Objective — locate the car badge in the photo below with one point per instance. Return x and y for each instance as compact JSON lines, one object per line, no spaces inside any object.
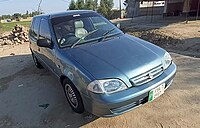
{"x":150,"y":76}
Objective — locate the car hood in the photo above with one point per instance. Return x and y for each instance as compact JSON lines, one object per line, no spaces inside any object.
{"x":124,"y":55}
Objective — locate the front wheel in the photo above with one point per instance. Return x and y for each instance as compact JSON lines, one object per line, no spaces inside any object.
{"x":73,"y":97}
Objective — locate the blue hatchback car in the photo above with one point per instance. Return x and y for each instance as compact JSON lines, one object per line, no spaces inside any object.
{"x":102,"y":70}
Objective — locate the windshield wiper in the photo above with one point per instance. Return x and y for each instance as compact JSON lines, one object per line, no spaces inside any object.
{"x":106,"y":33}
{"x":83,"y":37}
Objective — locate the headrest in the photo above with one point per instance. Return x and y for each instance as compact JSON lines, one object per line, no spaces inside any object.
{"x":79,"y":24}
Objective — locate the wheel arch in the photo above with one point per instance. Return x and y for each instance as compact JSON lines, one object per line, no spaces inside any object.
{"x":80,"y":100}
{"x":63,"y":77}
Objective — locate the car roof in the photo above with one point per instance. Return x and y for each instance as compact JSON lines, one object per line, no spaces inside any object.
{"x":68,"y":12}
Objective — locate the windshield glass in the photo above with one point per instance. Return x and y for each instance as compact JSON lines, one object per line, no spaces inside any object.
{"x":80,"y":29}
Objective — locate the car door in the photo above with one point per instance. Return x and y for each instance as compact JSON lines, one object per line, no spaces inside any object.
{"x":47,"y":55}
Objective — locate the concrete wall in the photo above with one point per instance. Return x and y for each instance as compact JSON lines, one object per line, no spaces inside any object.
{"x":148,"y":11}
{"x":181,"y":7}
{"x":171,"y":8}
{"x":133,"y":9}
{"x":174,"y":9}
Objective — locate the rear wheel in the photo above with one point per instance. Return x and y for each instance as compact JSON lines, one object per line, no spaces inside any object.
{"x":73,"y":97}
{"x":36,"y":62}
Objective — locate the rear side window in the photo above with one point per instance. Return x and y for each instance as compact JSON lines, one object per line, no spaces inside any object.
{"x":32,"y":26}
{"x":35,"y":28}
{"x":44,"y":29}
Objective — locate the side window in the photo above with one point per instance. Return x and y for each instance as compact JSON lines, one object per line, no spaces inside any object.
{"x":31,"y":28}
{"x":44,"y":29}
{"x":36,"y":24}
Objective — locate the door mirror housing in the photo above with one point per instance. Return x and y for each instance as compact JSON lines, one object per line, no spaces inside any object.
{"x":44,"y":43}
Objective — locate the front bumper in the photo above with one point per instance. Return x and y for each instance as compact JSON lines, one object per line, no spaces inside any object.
{"x":104,"y":105}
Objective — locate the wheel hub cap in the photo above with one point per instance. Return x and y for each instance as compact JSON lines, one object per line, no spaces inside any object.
{"x":71,"y":96}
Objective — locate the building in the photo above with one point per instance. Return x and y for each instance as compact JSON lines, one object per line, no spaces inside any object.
{"x":181,"y":7}
{"x":143,"y":7}
{"x":162,"y":7}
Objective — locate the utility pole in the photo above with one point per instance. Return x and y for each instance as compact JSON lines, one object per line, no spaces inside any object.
{"x":152,"y":11}
{"x":147,"y":11}
{"x":120,"y":9}
{"x":133,"y":11}
{"x":188,"y":9}
{"x":198,"y":10}
{"x":39,"y":7}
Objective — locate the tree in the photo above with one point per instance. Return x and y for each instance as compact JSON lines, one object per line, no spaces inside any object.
{"x":27,"y":13}
{"x":89,"y":5}
{"x":72,"y":5}
{"x":105,"y":8}
{"x":4,"y":17}
{"x":17,"y":16}
{"x":34,"y":13}
{"x":95,"y":4}
{"x":24,"y":16}
{"x":80,"y":4}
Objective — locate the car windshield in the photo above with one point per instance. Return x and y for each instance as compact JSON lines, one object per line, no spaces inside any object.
{"x":82,"y":28}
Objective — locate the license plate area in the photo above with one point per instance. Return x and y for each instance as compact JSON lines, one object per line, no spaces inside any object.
{"x":156,"y":92}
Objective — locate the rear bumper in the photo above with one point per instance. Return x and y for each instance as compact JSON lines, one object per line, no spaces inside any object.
{"x":124,"y":101}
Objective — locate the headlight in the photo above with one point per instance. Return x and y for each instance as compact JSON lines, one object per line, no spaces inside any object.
{"x":167,"y":60}
{"x":106,"y":86}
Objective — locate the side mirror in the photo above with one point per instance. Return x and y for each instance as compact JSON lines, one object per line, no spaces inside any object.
{"x":117,"y":25}
{"x":44,"y":43}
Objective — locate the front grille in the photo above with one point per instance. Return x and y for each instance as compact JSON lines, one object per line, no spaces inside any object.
{"x":147,"y":76}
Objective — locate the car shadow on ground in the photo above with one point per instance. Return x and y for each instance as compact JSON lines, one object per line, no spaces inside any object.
{"x":32,"y":97}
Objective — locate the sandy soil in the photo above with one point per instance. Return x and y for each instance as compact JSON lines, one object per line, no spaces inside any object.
{"x":26,"y":90}
{"x":174,"y":36}
{"x":23,"y":88}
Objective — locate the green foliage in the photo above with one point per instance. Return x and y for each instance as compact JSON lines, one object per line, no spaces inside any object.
{"x":89,"y":4}
{"x":24,"y":16}
{"x":6,"y":17}
{"x":83,"y":5}
{"x":80,"y":4}
{"x":6,"y":27}
{"x":17,"y":16}
{"x":72,"y":5}
{"x":105,"y":8}
{"x":95,"y":4}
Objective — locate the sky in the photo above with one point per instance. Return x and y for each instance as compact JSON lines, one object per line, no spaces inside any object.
{"x":48,"y":6}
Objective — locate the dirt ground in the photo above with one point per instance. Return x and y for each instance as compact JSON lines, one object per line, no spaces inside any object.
{"x":175,"y":36}
{"x":30,"y":97}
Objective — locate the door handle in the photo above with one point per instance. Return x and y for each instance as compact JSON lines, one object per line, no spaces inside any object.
{"x":39,"y":49}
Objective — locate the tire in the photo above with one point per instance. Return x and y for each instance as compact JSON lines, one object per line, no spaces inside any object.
{"x":36,"y":62}
{"x":73,"y":97}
